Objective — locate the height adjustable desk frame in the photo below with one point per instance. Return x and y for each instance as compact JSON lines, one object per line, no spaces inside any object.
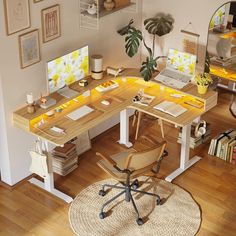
{"x":125,"y":91}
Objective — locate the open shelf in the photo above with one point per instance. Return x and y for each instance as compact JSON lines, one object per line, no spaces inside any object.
{"x":91,"y":21}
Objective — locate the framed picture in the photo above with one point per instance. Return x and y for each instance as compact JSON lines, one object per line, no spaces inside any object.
{"x":35,"y":1}
{"x":29,"y":48}
{"x":17,"y":15}
{"x":51,"y":23}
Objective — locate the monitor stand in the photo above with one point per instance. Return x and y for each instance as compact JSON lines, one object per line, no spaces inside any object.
{"x":67,"y":92}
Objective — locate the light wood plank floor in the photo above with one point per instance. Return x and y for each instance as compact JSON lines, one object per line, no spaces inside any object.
{"x":27,"y":210}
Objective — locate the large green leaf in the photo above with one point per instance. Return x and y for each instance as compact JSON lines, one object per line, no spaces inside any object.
{"x":159,"y":25}
{"x":148,"y":68}
{"x":132,"y":41}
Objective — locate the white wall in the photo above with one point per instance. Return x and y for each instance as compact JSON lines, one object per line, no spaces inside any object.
{"x":17,"y":82}
{"x":198,"y":12}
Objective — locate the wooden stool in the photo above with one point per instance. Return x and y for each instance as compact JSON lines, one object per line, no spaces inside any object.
{"x":139,"y":115}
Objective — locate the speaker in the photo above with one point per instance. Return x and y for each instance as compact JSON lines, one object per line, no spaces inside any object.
{"x":200,"y":129}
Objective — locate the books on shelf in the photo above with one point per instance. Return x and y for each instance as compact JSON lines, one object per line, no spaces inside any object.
{"x":223,"y":146}
{"x":196,"y":141}
{"x":65,"y":159}
{"x":170,"y":108}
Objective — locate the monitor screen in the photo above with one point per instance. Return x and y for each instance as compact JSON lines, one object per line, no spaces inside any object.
{"x":67,"y":69}
{"x":218,"y":18}
{"x":181,"y":61}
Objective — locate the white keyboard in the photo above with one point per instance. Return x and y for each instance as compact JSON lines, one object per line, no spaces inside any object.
{"x":173,"y":83}
{"x":176,"y":75}
{"x":80,"y":112}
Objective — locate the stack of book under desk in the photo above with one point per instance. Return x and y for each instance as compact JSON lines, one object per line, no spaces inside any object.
{"x":65,"y":159}
{"x":196,"y":141}
{"x":224,"y":146}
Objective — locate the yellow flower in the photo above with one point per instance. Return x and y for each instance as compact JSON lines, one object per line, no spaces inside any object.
{"x":58,"y":61}
{"x":203,"y":79}
{"x":180,"y":68}
{"x":191,"y":68}
{"x":84,"y":65}
{"x":55,"y":79}
{"x":75,"y":55}
{"x":70,"y":79}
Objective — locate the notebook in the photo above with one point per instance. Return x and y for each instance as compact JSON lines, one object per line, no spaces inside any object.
{"x":170,"y":108}
{"x":179,"y":70}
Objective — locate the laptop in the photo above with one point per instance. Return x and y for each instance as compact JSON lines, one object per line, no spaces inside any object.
{"x":180,"y":69}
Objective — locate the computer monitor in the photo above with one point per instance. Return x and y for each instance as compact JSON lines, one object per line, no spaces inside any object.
{"x":67,"y":69}
{"x":181,"y":61}
{"x":219,"y":18}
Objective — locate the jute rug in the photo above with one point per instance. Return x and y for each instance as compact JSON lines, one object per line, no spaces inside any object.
{"x":178,"y":215}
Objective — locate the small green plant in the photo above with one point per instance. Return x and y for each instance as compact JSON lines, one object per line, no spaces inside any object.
{"x":159,"y":25}
{"x":203,"y":79}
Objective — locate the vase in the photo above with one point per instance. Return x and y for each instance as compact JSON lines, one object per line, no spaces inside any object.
{"x":109,"y":5}
{"x":202,"y":89}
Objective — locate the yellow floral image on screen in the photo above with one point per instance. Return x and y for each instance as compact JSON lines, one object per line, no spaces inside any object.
{"x":181,"y":61}
{"x":218,"y":18}
{"x":67,"y":69}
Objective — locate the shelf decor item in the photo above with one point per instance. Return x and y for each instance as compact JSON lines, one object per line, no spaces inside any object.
{"x":51,"y":23}
{"x":109,"y":5}
{"x":17,"y":15}
{"x":29,"y":48}
{"x":203,"y":80}
{"x":159,"y":25}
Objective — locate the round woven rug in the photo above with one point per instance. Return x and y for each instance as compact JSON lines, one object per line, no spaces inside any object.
{"x":178,"y":215}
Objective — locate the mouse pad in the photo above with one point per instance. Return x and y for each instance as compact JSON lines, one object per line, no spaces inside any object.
{"x":113,"y":100}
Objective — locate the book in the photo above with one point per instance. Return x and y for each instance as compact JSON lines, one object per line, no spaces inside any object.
{"x":68,"y":147}
{"x":145,"y":100}
{"x":170,"y":108}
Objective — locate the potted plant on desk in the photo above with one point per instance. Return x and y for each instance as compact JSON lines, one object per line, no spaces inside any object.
{"x":203,"y":80}
{"x":159,"y":25}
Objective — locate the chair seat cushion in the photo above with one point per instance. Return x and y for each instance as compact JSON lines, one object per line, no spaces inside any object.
{"x":120,"y":159}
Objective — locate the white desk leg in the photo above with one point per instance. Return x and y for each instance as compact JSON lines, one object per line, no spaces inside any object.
{"x":185,"y":163}
{"x":124,"y":129}
{"x":48,"y":183}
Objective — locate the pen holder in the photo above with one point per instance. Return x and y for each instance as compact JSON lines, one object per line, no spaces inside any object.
{"x":31,"y":108}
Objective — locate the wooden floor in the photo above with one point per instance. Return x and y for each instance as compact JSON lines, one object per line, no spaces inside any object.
{"x":27,"y":210}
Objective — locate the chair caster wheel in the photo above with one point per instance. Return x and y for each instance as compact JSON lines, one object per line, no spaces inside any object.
{"x":139,"y":221}
{"x":102,"y":193}
{"x":135,"y":184}
{"x":158,"y":201}
{"x":102,"y":215}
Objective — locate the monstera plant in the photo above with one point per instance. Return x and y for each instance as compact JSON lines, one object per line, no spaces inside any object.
{"x":159,"y":25}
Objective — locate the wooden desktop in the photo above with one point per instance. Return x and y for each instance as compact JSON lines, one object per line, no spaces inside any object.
{"x":120,"y":99}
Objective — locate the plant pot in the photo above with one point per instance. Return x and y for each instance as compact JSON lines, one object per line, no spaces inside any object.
{"x":202,"y":89}
{"x":109,"y":5}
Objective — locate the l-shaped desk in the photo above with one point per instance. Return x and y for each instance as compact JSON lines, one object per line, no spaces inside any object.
{"x":121,"y":100}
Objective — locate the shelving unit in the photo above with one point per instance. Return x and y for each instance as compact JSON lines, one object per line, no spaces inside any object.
{"x":91,"y":21}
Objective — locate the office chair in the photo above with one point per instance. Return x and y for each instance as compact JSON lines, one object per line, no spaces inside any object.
{"x":129,"y":166}
{"x":138,"y":115}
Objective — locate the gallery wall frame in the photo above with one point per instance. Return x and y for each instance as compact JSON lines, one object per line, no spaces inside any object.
{"x":51,"y":26}
{"x":17,"y":15}
{"x":29,"y":48}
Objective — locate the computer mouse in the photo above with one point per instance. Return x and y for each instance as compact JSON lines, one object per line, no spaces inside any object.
{"x":105,"y":102}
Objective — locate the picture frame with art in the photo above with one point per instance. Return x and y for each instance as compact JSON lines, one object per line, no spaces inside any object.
{"x":51,"y":28}
{"x":29,"y":48}
{"x":17,"y":15}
